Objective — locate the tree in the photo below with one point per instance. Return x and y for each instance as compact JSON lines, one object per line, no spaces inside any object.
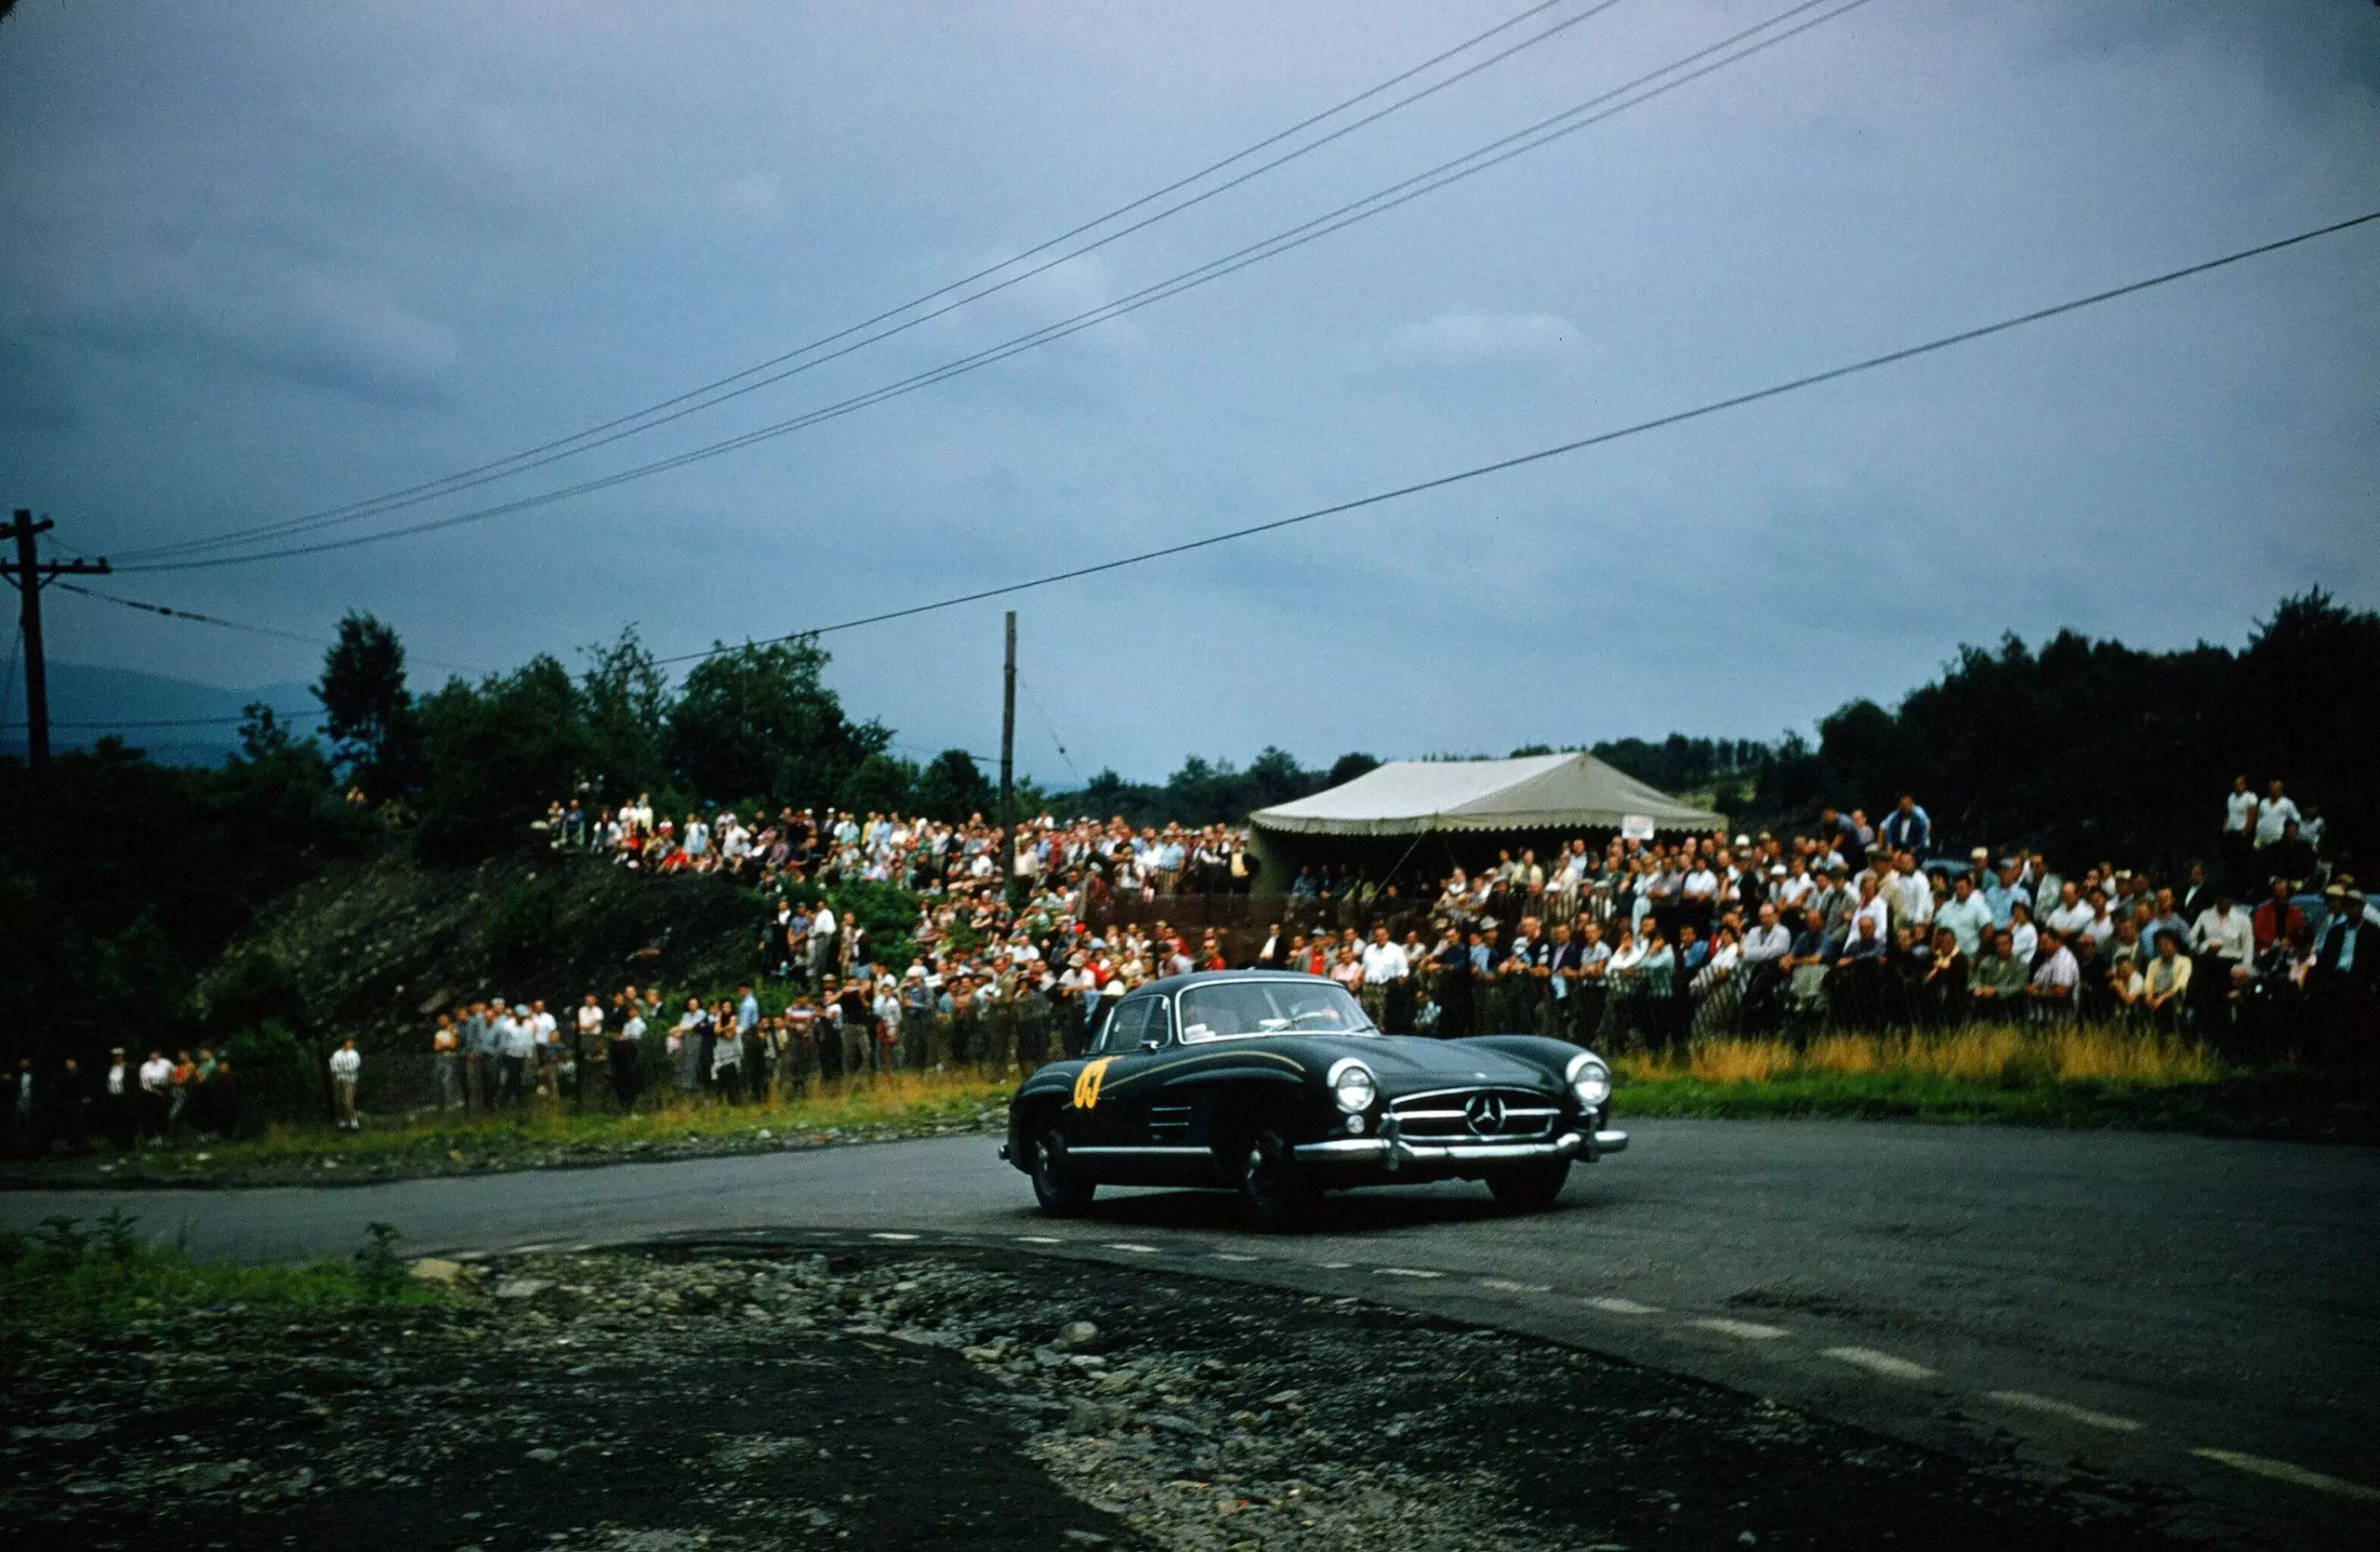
{"x":627,"y":703}
{"x":755,"y":722}
{"x":1346,"y":768}
{"x":368,"y":710}
{"x":496,"y":756}
{"x":952,"y":786}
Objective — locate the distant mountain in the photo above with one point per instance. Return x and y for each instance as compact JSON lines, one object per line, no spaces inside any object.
{"x":190,"y":724}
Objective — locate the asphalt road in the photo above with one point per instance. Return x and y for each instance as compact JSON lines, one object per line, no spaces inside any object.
{"x":2198,"y":1316}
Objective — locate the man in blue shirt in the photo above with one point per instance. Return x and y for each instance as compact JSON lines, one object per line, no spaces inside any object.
{"x":2004,"y":894}
{"x":1908,"y":829}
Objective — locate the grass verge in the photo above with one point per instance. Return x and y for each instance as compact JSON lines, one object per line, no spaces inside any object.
{"x":64,"y":1280}
{"x":545,"y":1133}
{"x":2088,"y":1077}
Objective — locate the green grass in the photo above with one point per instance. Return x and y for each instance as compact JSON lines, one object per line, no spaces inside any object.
{"x":2285,"y":1104}
{"x":543,"y":1133}
{"x":66,"y":1280}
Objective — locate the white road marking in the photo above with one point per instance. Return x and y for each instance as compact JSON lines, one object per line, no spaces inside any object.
{"x":2296,"y":1476}
{"x":2068,"y":1410}
{"x":1875,"y":1362}
{"x":1624,"y":1307}
{"x":533,"y":1250}
{"x":892,"y":1235}
{"x":1336,"y":1265}
{"x":1743,"y":1331}
{"x":1136,"y":1249}
{"x":1404,"y":1271}
{"x":1504,"y":1285}
{"x":1038,"y":1239}
{"x":1234,"y":1255}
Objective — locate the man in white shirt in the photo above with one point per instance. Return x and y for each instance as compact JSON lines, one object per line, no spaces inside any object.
{"x":1966,"y":916}
{"x":347,"y":1066}
{"x":2229,"y":934}
{"x":2069,"y":915}
{"x":823,"y":928}
{"x":1916,"y":892}
{"x":1384,"y":965}
{"x":2272,"y":814}
{"x":2239,"y":808}
{"x":516,"y":1036}
{"x":2054,"y":983}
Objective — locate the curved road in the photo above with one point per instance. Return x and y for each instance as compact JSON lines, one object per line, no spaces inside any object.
{"x":2191,"y":1314}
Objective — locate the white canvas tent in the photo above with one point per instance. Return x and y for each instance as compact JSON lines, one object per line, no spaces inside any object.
{"x":1566,"y":792}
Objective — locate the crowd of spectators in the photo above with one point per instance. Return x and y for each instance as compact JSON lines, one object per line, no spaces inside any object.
{"x":1641,"y":943}
{"x":921,"y":855}
{"x":1862,"y":925}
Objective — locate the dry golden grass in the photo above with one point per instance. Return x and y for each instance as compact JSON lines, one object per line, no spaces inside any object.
{"x":1985,"y":1053}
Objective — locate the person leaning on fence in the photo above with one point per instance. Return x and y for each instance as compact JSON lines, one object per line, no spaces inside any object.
{"x":1942,"y":993}
{"x":347,"y":1066}
{"x":1996,"y":986}
{"x":446,"y":1057}
{"x":2057,"y":980}
{"x":627,"y":1052}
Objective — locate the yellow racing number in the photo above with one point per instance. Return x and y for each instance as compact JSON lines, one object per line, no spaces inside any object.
{"x":1087,"y":1083}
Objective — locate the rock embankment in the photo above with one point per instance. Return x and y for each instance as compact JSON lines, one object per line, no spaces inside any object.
{"x":378,"y":948}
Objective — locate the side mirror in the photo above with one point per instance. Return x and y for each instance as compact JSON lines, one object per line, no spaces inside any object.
{"x":1152,"y":1045}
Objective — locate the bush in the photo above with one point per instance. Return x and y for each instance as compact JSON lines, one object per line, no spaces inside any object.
{"x":277,"y":1076}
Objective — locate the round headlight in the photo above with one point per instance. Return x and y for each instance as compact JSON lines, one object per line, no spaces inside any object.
{"x":1352,"y":1086}
{"x":1590,"y":1081}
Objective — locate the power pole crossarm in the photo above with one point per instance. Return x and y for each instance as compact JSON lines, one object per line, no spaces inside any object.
{"x":29,"y":573}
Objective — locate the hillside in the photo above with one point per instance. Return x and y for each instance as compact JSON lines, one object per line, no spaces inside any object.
{"x":177,"y":721}
{"x":378,"y":948}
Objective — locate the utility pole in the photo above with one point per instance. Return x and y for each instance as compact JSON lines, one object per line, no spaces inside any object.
{"x":28,"y":573}
{"x":1007,"y":763}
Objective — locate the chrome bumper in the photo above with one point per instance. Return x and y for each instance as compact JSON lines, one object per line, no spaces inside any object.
{"x":1394,"y":1153}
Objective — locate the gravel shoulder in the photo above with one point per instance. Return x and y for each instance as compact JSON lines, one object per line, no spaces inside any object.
{"x":728,"y":1398}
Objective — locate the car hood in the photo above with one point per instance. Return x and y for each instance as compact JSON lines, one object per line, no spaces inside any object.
{"x":1408,"y":1064}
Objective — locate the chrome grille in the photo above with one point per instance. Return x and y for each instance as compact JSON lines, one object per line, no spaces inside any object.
{"x":1456,"y":1115}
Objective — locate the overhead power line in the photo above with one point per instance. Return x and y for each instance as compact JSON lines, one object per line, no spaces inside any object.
{"x":181,"y":722}
{"x":1715,"y":406}
{"x":168,"y":612}
{"x":1044,"y":713}
{"x":1570,"y":121}
{"x":751,"y":378}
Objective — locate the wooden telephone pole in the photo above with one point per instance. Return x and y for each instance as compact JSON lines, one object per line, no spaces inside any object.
{"x":1007,"y":763}
{"x":29,"y":573}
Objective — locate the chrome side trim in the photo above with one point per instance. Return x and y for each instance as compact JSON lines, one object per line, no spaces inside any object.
{"x":1111,"y":1152}
{"x":1394,"y":1151}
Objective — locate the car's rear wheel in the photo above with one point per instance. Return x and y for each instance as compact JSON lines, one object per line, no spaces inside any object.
{"x":1059,"y":1191}
{"x":1531,"y":1187}
{"x":1275,"y":1193}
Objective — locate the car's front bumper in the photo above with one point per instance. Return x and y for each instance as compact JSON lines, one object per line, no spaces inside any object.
{"x":1394,"y":1155}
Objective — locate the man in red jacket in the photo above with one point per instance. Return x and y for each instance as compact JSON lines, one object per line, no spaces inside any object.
{"x":2277,"y":920}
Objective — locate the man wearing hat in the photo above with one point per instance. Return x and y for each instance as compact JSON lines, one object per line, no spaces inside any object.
{"x":2347,"y":964}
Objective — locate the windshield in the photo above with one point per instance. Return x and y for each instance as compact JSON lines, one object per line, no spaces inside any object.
{"x":1235,"y":1010}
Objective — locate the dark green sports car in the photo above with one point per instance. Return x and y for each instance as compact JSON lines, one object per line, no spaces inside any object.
{"x":1278,"y":1086}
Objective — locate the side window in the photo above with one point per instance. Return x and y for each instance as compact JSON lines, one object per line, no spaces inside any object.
{"x":1161,"y":1025}
{"x":1124,"y":1029}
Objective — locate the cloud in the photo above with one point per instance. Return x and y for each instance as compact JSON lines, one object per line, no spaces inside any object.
{"x":756,"y":197}
{"x":1467,"y":335}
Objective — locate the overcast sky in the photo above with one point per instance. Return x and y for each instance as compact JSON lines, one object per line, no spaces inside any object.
{"x":261,"y":260}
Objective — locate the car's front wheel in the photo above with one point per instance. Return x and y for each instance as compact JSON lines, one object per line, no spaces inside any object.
{"x":1276,"y":1194}
{"x":1061,"y":1193}
{"x":1531,"y":1187}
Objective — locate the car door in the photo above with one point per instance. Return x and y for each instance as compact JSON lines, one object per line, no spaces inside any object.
{"x":1092,"y":1115}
